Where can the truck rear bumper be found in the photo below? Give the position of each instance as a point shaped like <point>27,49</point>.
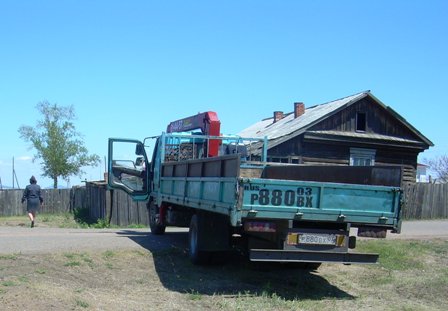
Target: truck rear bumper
<point>309,256</point>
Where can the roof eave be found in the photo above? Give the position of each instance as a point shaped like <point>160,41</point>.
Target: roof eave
<point>403,121</point>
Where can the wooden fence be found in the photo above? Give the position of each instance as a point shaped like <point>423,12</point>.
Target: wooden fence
<point>425,201</point>
<point>422,201</point>
<point>55,201</point>
<point>116,206</point>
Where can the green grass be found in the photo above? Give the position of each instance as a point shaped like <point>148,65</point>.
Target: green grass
<point>109,254</point>
<point>73,263</point>
<point>41,271</point>
<point>77,259</point>
<point>81,303</point>
<point>194,295</point>
<point>390,285</point>
<point>8,257</point>
<point>8,283</point>
<point>78,219</point>
<point>402,255</point>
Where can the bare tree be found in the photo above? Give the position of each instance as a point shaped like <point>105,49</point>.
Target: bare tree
<point>440,166</point>
<point>59,146</point>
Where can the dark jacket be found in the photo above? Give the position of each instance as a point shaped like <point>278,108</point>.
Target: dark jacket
<point>32,195</point>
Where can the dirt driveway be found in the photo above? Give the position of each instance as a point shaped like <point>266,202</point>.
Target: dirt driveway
<point>43,240</point>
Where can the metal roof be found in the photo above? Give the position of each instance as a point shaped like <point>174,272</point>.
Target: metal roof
<point>289,126</point>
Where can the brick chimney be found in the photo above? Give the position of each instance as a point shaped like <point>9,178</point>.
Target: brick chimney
<point>299,109</point>
<point>278,115</point>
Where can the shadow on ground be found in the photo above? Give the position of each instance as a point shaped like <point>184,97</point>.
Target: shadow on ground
<point>237,276</point>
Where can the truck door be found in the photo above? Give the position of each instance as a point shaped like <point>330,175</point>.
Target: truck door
<point>128,167</point>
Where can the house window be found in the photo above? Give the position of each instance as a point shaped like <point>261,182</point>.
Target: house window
<point>278,159</point>
<point>294,160</point>
<point>360,122</point>
<point>362,157</point>
<point>290,159</point>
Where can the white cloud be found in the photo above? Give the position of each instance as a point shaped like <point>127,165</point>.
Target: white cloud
<point>25,158</point>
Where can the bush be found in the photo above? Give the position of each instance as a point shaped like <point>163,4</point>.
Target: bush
<point>82,216</point>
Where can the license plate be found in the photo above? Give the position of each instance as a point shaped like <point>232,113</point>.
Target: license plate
<point>310,238</point>
<point>317,239</point>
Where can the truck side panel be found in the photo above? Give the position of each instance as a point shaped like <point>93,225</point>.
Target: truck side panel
<point>314,201</point>
<point>214,185</point>
<point>205,184</point>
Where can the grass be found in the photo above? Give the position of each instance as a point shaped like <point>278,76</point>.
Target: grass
<point>109,254</point>
<point>194,295</point>
<point>78,219</point>
<point>72,263</point>
<point>77,259</point>
<point>403,255</point>
<point>81,303</point>
<point>167,280</point>
<point>411,275</point>
<point>41,271</point>
<point>8,257</point>
<point>8,283</point>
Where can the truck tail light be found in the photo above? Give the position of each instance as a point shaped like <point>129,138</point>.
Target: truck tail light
<point>260,226</point>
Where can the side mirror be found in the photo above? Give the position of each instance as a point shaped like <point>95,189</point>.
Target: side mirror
<point>139,149</point>
<point>139,161</point>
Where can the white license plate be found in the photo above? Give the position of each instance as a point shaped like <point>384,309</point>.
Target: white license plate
<point>317,239</point>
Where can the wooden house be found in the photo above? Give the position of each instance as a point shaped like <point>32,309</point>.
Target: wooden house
<point>357,130</point>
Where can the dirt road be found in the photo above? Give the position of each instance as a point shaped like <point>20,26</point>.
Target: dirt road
<point>43,240</point>
<point>424,229</point>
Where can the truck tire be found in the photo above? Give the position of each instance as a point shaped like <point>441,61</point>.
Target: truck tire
<point>154,222</point>
<point>195,235</point>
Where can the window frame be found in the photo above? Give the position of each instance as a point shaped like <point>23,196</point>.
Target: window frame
<point>362,156</point>
<point>362,128</point>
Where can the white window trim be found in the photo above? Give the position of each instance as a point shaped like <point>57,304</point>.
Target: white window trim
<point>362,153</point>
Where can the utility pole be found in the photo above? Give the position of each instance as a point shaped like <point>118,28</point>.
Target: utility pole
<point>14,175</point>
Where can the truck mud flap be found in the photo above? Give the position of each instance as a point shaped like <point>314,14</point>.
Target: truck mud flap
<point>273,255</point>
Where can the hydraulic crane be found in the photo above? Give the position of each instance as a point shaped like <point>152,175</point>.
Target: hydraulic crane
<point>207,122</point>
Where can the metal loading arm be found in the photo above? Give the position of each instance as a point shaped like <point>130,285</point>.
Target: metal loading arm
<point>207,122</point>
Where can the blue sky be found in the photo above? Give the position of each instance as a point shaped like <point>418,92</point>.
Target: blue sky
<point>131,67</point>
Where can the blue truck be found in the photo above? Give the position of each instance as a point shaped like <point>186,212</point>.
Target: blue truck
<point>235,199</point>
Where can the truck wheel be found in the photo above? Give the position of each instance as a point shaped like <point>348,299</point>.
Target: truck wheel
<point>154,221</point>
<point>197,256</point>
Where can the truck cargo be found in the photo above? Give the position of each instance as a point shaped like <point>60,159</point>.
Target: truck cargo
<point>228,195</point>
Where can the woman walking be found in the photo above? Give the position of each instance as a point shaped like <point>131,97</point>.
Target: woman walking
<point>33,199</point>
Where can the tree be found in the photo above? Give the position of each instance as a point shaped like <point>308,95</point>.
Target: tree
<point>59,146</point>
<point>440,166</point>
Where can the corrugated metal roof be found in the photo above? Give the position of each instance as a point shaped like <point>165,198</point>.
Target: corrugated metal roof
<point>289,124</point>
<point>289,127</point>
